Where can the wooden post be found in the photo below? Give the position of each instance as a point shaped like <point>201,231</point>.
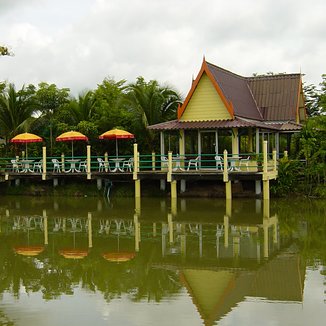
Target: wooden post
<point>88,162</point>
<point>250,141</point>
<point>174,203</point>
<point>106,161</point>
<point>90,233</point>
<point>265,173</point>
<point>137,189</point>
<point>226,231</point>
<point>173,189</point>
<point>63,161</point>
<point>266,189</point>
<point>265,160</point>
<point>43,163</point>
<point>45,226</point>
<point>135,176</point>
<point>170,224</point>
<point>225,167</point>
<point>136,232</point>
<point>182,151</point>
<point>169,174</point>
<point>274,160</point>
<point>228,190</point>
<point>153,161</point>
<point>228,187</point>
<point>235,141</point>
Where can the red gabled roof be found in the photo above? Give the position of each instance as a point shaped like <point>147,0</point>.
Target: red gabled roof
<point>264,98</point>
<point>213,124</point>
<point>236,90</point>
<point>277,96</point>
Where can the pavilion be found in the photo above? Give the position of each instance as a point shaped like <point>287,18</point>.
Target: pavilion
<point>224,110</point>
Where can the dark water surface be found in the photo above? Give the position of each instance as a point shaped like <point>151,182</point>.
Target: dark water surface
<point>85,261</point>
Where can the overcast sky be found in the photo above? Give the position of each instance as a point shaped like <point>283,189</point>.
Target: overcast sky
<point>78,43</point>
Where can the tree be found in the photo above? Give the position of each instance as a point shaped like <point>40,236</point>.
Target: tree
<point>322,97</point>
<point>16,109</point>
<point>315,98</point>
<point>311,100</point>
<point>5,51</point>
<point>83,108</point>
<point>49,99</point>
<point>110,111</point>
<point>151,103</point>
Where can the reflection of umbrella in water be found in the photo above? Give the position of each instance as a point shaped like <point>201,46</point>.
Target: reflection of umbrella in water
<point>29,250</point>
<point>72,136</point>
<point>26,138</point>
<point>73,253</point>
<point>119,257</point>
<point>117,134</point>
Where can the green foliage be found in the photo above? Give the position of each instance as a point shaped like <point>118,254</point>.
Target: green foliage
<point>5,51</point>
<point>16,110</point>
<point>150,103</point>
<point>287,181</point>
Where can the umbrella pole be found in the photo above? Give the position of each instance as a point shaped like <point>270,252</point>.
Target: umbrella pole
<point>72,149</point>
<point>116,147</point>
<point>26,151</point>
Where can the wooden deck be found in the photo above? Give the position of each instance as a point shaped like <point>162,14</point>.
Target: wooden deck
<point>204,174</point>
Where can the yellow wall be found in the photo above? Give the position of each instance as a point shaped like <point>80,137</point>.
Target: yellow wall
<point>205,103</point>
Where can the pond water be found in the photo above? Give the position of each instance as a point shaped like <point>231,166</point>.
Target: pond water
<point>86,261</point>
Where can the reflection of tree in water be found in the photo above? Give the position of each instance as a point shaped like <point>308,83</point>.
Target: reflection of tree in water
<point>5,321</point>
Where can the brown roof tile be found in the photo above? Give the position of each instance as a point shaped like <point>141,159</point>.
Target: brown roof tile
<point>276,95</point>
<point>236,90</point>
<point>220,124</point>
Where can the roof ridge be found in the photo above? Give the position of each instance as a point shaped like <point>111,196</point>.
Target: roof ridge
<point>279,75</point>
<point>225,70</point>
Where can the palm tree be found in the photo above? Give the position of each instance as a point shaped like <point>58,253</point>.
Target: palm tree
<point>83,108</point>
<point>151,103</point>
<point>16,109</point>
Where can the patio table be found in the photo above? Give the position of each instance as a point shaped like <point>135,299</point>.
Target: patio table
<point>117,162</point>
<point>27,165</point>
<point>73,167</point>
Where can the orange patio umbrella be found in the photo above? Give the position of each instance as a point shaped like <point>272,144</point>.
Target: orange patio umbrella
<point>119,257</point>
<point>72,136</point>
<point>26,138</point>
<point>117,134</point>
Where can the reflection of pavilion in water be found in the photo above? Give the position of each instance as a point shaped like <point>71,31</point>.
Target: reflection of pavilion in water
<point>211,258</point>
<point>224,238</point>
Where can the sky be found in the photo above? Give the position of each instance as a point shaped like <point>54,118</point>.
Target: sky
<point>78,43</point>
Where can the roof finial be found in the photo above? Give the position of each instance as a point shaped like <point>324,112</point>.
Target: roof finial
<point>204,59</point>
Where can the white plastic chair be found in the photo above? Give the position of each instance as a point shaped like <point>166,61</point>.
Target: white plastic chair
<point>164,162</point>
<point>82,166</point>
<point>37,166</point>
<point>101,164</point>
<point>219,162</point>
<point>16,166</point>
<point>245,162</point>
<point>193,162</point>
<point>57,166</point>
<point>128,164</point>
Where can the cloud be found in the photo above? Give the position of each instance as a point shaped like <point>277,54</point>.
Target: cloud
<point>77,44</point>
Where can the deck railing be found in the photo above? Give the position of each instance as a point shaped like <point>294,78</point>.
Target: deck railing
<point>154,163</point>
